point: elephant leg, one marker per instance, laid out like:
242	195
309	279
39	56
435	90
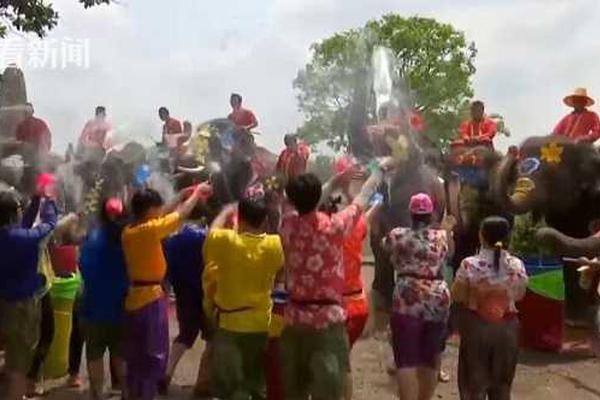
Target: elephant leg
383	280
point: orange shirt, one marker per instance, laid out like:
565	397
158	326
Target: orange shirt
142	246
486	129
353	251
292	163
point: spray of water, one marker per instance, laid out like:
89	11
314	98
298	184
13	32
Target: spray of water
383	84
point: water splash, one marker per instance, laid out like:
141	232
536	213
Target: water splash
393	100
383	84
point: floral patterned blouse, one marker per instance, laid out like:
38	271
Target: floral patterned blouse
313	245
418	257
479	269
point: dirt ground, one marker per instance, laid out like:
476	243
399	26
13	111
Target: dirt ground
539	375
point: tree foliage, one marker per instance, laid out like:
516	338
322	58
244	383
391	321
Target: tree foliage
434	59
32	16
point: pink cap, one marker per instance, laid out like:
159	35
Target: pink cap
421	204
114	207
44	180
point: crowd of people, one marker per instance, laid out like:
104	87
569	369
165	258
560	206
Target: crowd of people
273	286
290	293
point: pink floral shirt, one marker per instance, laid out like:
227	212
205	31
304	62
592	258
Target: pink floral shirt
418	257
511	274
313	245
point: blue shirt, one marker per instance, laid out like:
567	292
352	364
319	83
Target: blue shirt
20	248
183	252
105	282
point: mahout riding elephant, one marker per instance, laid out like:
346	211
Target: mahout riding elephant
469	171
558	180
230	160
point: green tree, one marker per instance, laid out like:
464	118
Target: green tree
33	16
434	59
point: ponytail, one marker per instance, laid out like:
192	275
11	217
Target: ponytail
497	253
495	232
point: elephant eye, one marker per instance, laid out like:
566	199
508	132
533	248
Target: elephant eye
528	166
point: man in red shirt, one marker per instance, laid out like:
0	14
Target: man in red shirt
243	118
479	128
171	127
35	132
97	132
293	159
581	125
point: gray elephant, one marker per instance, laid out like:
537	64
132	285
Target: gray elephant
558	180
412	175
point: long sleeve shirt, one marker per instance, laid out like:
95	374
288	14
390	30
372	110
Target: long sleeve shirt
581	126
20	246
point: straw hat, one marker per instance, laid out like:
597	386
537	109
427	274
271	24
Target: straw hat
579	92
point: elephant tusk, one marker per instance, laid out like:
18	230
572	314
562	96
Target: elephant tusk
196	170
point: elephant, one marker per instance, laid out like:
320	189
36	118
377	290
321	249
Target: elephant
411	176
558	180
469	172
231	162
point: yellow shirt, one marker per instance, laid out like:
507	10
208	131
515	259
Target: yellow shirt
142	246
246	266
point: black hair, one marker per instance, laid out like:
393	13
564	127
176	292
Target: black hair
163	110
100	109
495	231
253	211
420	221
478	103
331	205
236	96
143	200
9	208
289	136
304	192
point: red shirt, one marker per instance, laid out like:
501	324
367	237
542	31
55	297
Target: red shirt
36	132
583	126
96	132
292	163
171	127
313	244
243	117
485	129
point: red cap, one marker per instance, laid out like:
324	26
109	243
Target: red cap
44	183
421	204
114	207
343	164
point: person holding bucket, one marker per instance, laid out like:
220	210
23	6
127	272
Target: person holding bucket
21	284
487	286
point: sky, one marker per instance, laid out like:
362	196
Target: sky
189	55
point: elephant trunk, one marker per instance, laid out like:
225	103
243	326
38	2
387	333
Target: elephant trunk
569	246
520	200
